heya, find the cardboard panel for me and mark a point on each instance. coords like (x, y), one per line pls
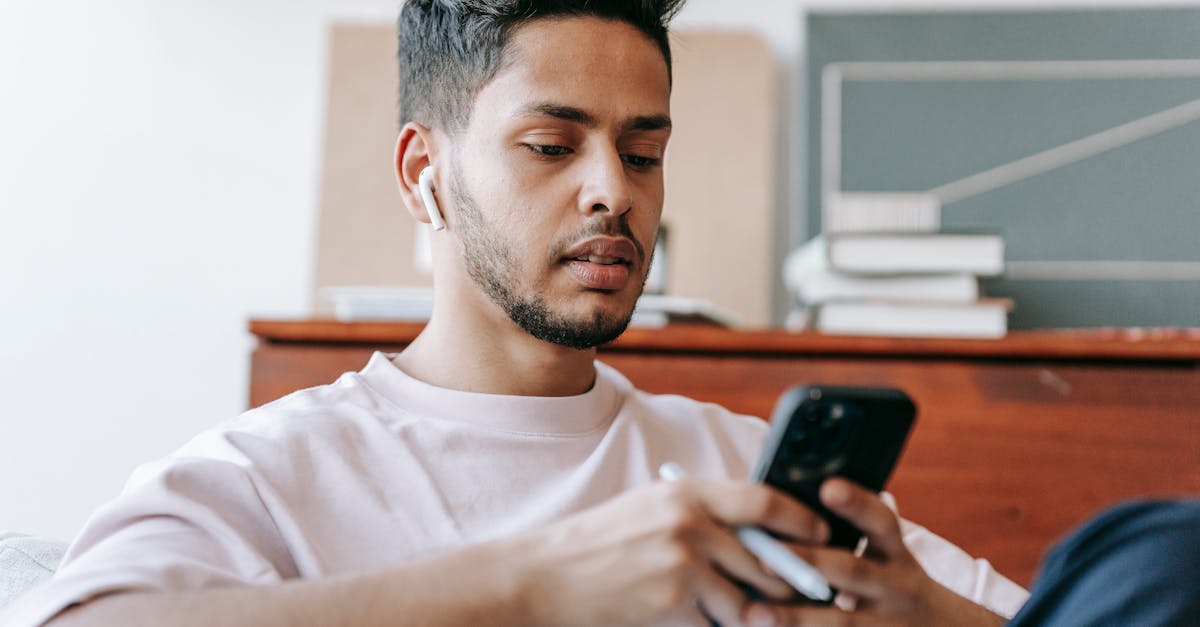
(364, 236)
(720, 172)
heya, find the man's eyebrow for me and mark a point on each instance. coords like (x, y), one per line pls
(649, 123)
(562, 112)
(579, 116)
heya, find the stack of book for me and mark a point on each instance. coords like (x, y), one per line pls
(898, 284)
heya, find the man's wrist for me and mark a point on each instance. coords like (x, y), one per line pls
(955, 609)
(520, 579)
(494, 583)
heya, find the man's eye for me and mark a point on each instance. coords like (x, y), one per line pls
(548, 150)
(639, 161)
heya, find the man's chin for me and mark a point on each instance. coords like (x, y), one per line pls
(578, 331)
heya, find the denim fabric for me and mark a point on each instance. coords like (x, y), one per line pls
(1137, 564)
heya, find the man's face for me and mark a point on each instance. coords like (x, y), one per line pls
(556, 184)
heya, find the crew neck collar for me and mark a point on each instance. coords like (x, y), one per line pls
(539, 415)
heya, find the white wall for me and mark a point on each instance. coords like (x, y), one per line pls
(158, 166)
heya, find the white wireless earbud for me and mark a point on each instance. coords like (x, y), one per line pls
(425, 182)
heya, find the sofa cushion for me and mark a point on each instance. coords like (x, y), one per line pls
(25, 561)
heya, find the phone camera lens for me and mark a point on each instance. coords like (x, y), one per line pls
(832, 418)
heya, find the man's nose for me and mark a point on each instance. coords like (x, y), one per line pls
(606, 187)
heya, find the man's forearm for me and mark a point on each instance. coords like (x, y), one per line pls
(475, 585)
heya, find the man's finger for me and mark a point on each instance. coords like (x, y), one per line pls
(736, 503)
(764, 615)
(865, 510)
(731, 556)
(719, 598)
(862, 577)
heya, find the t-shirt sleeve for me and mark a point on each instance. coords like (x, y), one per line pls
(970, 577)
(181, 524)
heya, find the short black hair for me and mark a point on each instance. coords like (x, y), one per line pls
(448, 49)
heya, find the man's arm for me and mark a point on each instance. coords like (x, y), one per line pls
(464, 587)
(633, 559)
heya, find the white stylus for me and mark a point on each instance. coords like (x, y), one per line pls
(797, 572)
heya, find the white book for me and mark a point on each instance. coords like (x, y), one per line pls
(945, 288)
(856, 212)
(655, 310)
(808, 275)
(985, 319)
(917, 253)
(359, 303)
(649, 319)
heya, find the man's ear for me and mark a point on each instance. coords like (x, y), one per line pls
(414, 153)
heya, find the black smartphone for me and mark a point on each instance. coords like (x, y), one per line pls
(821, 431)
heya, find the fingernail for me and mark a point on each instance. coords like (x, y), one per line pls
(835, 493)
(759, 616)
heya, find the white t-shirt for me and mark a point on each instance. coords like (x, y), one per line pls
(379, 468)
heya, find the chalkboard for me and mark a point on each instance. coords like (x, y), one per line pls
(1111, 239)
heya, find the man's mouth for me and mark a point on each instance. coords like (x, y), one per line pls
(602, 263)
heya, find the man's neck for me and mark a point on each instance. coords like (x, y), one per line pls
(495, 356)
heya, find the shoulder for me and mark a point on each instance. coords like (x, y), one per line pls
(292, 429)
(692, 424)
(675, 407)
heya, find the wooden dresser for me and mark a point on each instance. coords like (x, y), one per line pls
(1017, 440)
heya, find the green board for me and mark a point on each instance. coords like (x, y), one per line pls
(1135, 207)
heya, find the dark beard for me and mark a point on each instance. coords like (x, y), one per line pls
(493, 266)
(533, 316)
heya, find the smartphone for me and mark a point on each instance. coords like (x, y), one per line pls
(821, 431)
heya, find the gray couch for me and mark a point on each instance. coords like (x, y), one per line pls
(25, 561)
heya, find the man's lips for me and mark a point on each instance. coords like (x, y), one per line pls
(602, 263)
(606, 250)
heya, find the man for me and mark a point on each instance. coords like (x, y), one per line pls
(493, 472)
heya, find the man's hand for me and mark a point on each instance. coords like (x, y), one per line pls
(665, 548)
(890, 587)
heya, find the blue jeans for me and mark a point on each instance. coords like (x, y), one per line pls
(1136, 565)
